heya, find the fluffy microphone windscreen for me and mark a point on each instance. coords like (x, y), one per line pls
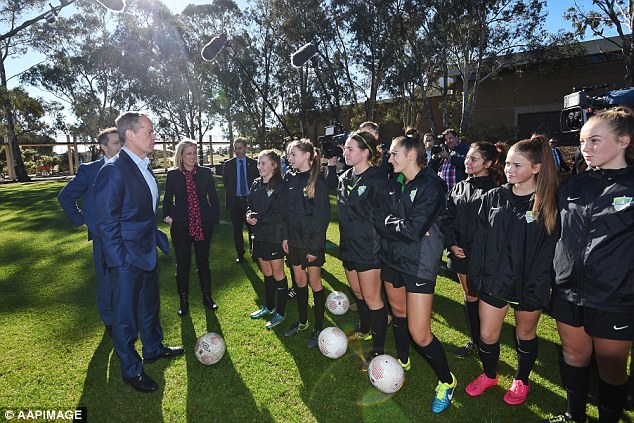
(303, 55)
(116, 5)
(213, 47)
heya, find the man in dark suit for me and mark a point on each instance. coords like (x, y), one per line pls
(237, 177)
(126, 199)
(81, 186)
(560, 163)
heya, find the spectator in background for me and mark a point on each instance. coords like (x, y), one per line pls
(560, 163)
(452, 167)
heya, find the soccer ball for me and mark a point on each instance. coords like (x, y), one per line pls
(386, 374)
(333, 343)
(338, 303)
(210, 348)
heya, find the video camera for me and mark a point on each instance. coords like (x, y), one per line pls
(330, 143)
(579, 106)
(439, 146)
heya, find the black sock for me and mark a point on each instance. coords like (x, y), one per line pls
(611, 401)
(320, 308)
(269, 292)
(576, 382)
(401, 338)
(526, 356)
(435, 355)
(379, 329)
(473, 320)
(290, 267)
(364, 316)
(282, 295)
(489, 356)
(302, 303)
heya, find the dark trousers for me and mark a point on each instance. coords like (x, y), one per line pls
(182, 242)
(238, 220)
(136, 304)
(104, 285)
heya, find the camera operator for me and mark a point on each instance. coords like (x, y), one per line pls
(452, 155)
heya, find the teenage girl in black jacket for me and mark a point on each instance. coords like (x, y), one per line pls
(358, 196)
(516, 233)
(412, 253)
(484, 164)
(308, 215)
(266, 213)
(593, 298)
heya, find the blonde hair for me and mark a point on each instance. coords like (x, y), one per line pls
(180, 147)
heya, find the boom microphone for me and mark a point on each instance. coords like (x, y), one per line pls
(114, 5)
(303, 55)
(214, 47)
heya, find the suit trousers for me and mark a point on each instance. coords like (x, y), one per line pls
(136, 303)
(238, 220)
(183, 241)
(104, 284)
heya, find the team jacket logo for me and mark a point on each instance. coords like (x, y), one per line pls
(621, 203)
(361, 190)
(270, 192)
(412, 195)
(529, 217)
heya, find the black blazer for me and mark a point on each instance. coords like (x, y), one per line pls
(175, 199)
(230, 181)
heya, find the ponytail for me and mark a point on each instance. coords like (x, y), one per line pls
(537, 150)
(496, 154)
(306, 146)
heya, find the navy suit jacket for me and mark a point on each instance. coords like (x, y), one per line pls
(175, 199)
(81, 186)
(230, 181)
(125, 217)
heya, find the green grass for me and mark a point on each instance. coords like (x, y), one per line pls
(55, 355)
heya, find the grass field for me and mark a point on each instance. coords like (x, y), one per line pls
(55, 354)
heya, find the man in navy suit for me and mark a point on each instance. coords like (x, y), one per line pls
(126, 199)
(237, 177)
(81, 187)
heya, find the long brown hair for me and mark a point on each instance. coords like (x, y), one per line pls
(276, 158)
(306, 146)
(538, 151)
(496, 154)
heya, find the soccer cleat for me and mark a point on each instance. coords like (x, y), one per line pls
(517, 394)
(362, 336)
(296, 327)
(313, 341)
(365, 364)
(275, 321)
(480, 384)
(444, 394)
(406, 366)
(263, 311)
(467, 350)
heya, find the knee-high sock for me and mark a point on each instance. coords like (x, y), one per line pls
(473, 320)
(401, 338)
(489, 356)
(435, 355)
(302, 303)
(576, 382)
(364, 316)
(379, 329)
(269, 292)
(611, 401)
(282, 295)
(320, 308)
(526, 356)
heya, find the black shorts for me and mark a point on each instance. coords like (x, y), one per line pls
(360, 267)
(410, 282)
(456, 264)
(596, 323)
(297, 257)
(500, 303)
(267, 250)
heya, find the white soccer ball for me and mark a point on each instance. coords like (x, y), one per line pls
(333, 343)
(338, 303)
(386, 374)
(210, 348)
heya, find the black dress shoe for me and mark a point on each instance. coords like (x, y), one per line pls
(168, 352)
(210, 304)
(142, 383)
(109, 330)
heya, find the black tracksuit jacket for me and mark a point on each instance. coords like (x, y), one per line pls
(270, 206)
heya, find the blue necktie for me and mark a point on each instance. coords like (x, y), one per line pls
(557, 162)
(243, 180)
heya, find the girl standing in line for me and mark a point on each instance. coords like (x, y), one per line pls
(266, 213)
(517, 229)
(412, 251)
(484, 164)
(359, 194)
(593, 298)
(308, 215)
